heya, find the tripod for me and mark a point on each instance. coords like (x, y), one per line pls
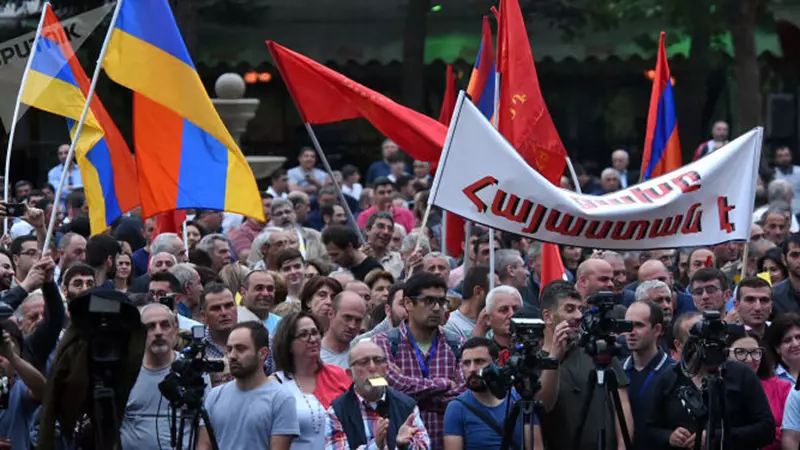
(528, 386)
(194, 414)
(714, 387)
(602, 376)
(105, 415)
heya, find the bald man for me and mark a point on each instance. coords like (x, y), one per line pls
(593, 276)
(620, 161)
(396, 418)
(348, 312)
(654, 269)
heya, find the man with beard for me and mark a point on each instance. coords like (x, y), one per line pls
(147, 419)
(343, 248)
(101, 255)
(71, 250)
(292, 266)
(333, 215)
(348, 313)
(464, 425)
(258, 299)
(252, 411)
(25, 390)
(76, 280)
(563, 391)
(380, 227)
(6, 270)
(389, 418)
(423, 356)
(393, 309)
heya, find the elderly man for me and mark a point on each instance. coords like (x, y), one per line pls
(283, 214)
(619, 161)
(779, 190)
(380, 227)
(609, 181)
(502, 303)
(218, 248)
(389, 418)
(192, 287)
(163, 243)
(659, 293)
(71, 249)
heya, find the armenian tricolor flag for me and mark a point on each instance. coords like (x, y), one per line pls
(662, 148)
(57, 83)
(481, 88)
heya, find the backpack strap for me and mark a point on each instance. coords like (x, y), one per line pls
(488, 420)
(394, 340)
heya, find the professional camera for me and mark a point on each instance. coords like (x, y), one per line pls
(525, 363)
(706, 343)
(598, 330)
(184, 386)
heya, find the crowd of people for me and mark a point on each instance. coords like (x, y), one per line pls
(365, 335)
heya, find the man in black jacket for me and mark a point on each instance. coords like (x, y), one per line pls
(369, 406)
(747, 417)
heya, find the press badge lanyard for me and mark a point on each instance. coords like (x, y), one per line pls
(649, 376)
(421, 359)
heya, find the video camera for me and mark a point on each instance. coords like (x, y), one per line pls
(706, 343)
(598, 330)
(525, 363)
(184, 386)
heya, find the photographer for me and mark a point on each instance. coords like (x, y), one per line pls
(25, 389)
(147, 419)
(564, 391)
(747, 416)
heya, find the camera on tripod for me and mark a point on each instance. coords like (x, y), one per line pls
(598, 330)
(525, 363)
(184, 386)
(706, 343)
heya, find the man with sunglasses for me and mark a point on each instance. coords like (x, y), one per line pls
(389, 419)
(423, 356)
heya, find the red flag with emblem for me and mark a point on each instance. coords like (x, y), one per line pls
(524, 118)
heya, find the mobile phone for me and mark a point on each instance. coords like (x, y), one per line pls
(168, 300)
(15, 209)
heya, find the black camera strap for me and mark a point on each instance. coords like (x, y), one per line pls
(481, 414)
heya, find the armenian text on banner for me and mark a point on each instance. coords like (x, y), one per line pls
(483, 179)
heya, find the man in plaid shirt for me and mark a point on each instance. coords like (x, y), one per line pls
(423, 360)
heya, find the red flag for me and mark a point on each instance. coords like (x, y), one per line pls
(449, 100)
(455, 223)
(170, 222)
(552, 265)
(524, 119)
(323, 95)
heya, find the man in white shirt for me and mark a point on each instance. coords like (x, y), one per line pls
(73, 180)
(306, 177)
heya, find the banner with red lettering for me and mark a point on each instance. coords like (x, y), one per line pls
(483, 179)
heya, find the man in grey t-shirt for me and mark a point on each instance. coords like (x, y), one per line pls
(348, 313)
(148, 416)
(465, 319)
(251, 411)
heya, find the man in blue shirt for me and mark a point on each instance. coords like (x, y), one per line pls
(647, 363)
(382, 168)
(474, 419)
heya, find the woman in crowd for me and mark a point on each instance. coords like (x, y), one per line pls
(314, 384)
(783, 341)
(748, 349)
(772, 262)
(124, 274)
(379, 282)
(317, 267)
(317, 298)
(194, 233)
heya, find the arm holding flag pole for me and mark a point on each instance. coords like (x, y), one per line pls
(328, 169)
(79, 126)
(13, 127)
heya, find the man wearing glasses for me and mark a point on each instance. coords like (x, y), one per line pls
(710, 290)
(423, 356)
(389, 419)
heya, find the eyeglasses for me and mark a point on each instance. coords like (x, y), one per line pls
(306, 335)
(364, 362)
(711, 290)
(741, 353)
(431, 300)
(31, 253)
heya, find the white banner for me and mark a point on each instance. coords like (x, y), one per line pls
(482, 178)
(14, 54)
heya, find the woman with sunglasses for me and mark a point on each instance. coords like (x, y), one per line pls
(749, 350)
(314, 384)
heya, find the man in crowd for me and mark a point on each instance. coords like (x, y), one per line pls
(400, 426)
(502, 303)
(753, 303)
(242, 237)
(258, 299)
(382, 201)
(710, 291)
(785, 296)
(279, 184)
(381, 168)
(292, 266)
(191, 286)
(332, 215)
(218, 313)
(73, 181)
(71, 250)
(463, 428)
(700, 258)
(147, 418)
(563, 392)
(657, 292)
(343, 247)
(25, 251)
(776, 222)
(218, 247)
(270, 243)
(395, 313)
(348, 313)
(432, 380)
(78, 279)
(283, 215)
(593, 276)
(101, 255)
(306, 177)
(457, 274)
(380, 227)
(786, 170)
(159, 262)
(719, 137)
(620, 161)
(513, 272)
(467, 317)
(252, 411)
(617, 263)
(646, 363)
(165, 288)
